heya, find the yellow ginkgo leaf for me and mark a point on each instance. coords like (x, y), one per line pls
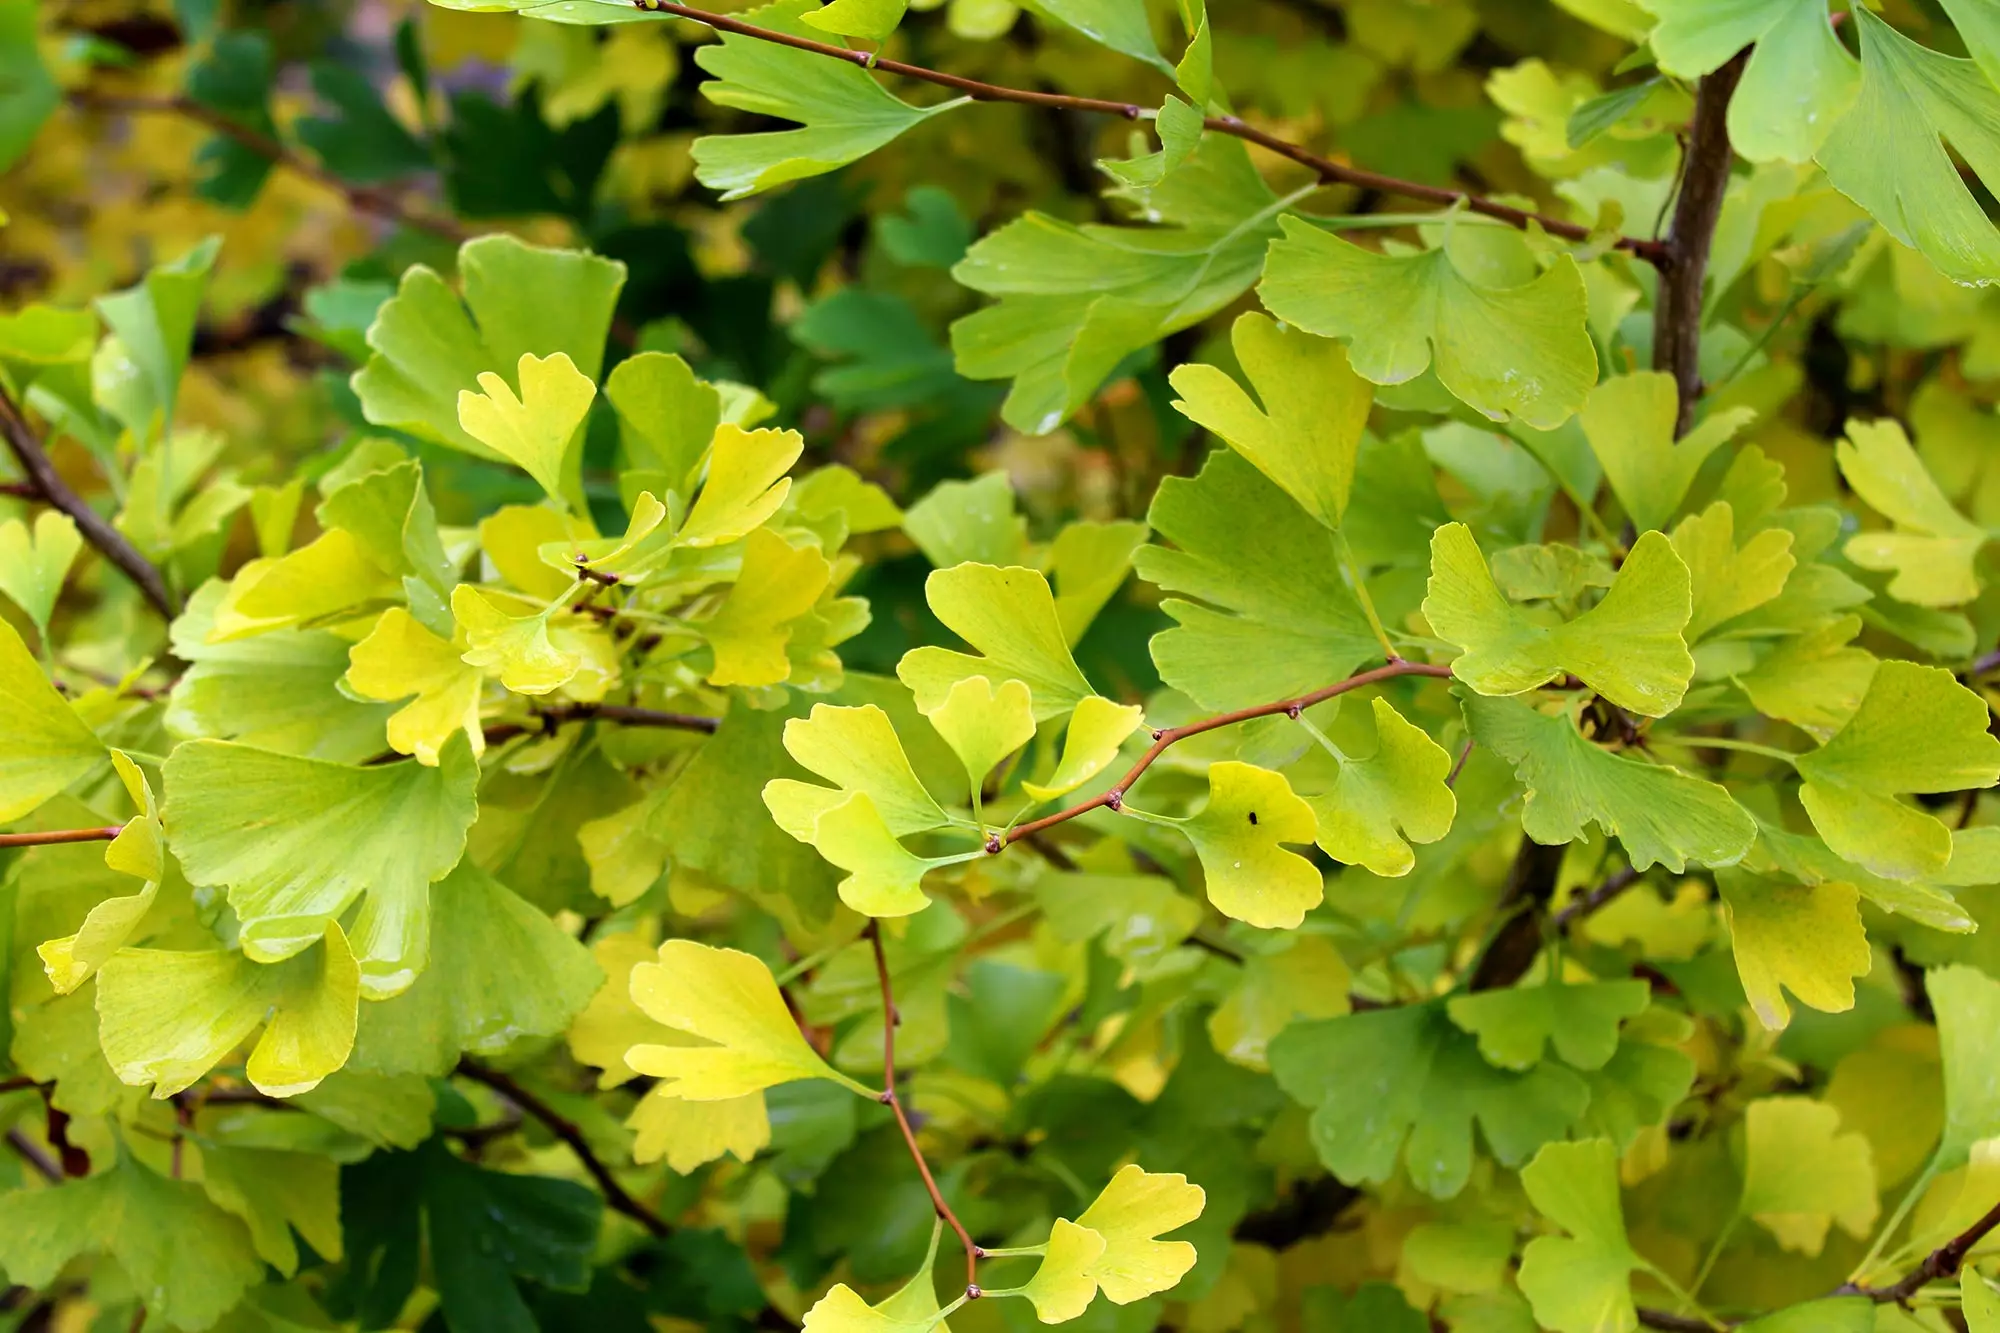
(47, 746)
(728, 998)
(687, 1134)
(1063, 1286)
(534, 430)
(1096, 730)
(983, 725)
(1135, 1208)
(843, 1311)
(779, 583)
(140, 851)
(517, 649)
(400, 658)
(746, 484)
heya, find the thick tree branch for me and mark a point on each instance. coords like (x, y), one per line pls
(1531, 881)
(1328, 170)
(565, 1129)
(894, 1101)
(1115, 797)
(1677, 308)
(110, 543)
(52, 837)
(382, 202)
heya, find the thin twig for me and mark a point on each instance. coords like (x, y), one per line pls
(382, 202)
(1675, 1323)
(565, 1129)
(32, 1154)
(890, 1099)
(109, 541)
(1163, 739)
(1328, 170)
(54, 836)
(1943, 1262)
(1583, 904)
(548, 719)
(1458, 764)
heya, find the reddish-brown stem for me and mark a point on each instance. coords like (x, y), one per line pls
(1943, 1262)
(616, 1195)
(50, 486)
(383, 203)
(51, 838)
(1586, 903)
(894, 1102)
(1115, 797)
(1328, 170)
(624, 714)
(31, 1153)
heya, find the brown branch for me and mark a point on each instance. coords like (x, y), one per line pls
(548, 719)
(110, 543)
(890, 1099)
(380, 201)
(1328, 170)
(31, 1153)
(1943, 1262)
(50, 839)
(565, 1129)
(1677, 308)
(1674, 1323)
(1584, 904)
(1530, 882)
(1115, 797)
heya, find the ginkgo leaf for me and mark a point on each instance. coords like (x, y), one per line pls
(1795, 86)
(333, 575)
(400, 658)
(1727, 580)
(274, 1192)
(1009, 615)
(1404, 1084)
(779, 584)
(517, 649)
(872, 20)
(1121, 25)
(1237, 835)
(1313, 408)
(1967, 1004)
(1065, 1282)
(1932, 549)
(139, 850)
(534, 431)
(844, 114)
(729, 999)
(1888, 154)
(746, 483)
(1661, 815)
(1516, 348)
(957, 521)
(1814, 679)
(34, 565)
(1308, 980)
(686, 1134)
(1629, 421)
(1088, 561)
(1801, 1175)
(1516, 1024)
(858, 750)
(1131, 1213)
(167, 1018)
(884, 877)
(1917, 730)
(984, 725)
(191, 1259)
(1628, 647)
(842, 1310)
(1579, 1283)
(296, 841)
(48, 746)
(1979, 1301)
(1808, 938)
(1097, 729)
(1280, 621)
(1393, 797)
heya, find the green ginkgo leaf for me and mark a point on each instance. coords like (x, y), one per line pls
(1097, 729)
(166, 1018)
(1238, 834)
(48, 746)
(1801, 1174)
(1628, 647)
(1514, 349)
(1917, 730)
(1967, 1004)
(884, 878)
(1932, 547)
(516, 648)
(1280, 619)
(1009, 615)
(1306, 432)
(857, 750)
(1131, 1213)
(1121, 25)
(1979, 1301)
(1807, 938)
(1796, 85)
(297, 841)
(34, 564)
(1579, 1283)
(729, 999)
(274, 1191)
(984, 725)
(780, 583)
(1515, 1025)
(1726, 579)
(1308, 980)
(843, 113)
(1661, 815)
(1629, 421)
(1063, 1284)
(1888, 154)
(536, 430)
(1385, 801)
(871, 20)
